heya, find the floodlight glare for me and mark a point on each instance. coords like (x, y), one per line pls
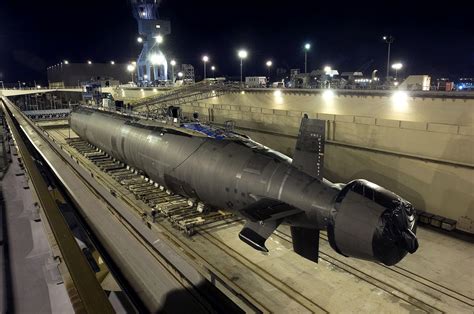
(397, 66)
(242, 54)
(157, 59)
(328, 94)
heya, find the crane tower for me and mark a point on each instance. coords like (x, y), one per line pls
(152, 61)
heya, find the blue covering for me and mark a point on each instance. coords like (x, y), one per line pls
(205, 129)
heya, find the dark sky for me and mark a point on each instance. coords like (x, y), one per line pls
(431, 36)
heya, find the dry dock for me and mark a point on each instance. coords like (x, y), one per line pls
(280, 281)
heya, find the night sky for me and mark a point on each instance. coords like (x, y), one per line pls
(431, 37)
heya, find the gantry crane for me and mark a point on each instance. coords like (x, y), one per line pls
(151, 64)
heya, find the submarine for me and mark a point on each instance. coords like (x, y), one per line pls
(230, 171)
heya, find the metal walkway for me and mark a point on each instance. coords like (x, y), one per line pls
(185, 94)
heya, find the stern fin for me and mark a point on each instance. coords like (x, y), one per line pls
(306, 242)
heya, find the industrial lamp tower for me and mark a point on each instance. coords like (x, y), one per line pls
(389, 40)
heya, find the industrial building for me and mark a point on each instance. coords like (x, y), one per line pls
(68, 74)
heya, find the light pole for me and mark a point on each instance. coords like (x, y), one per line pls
(19, 85)
(389, 40)
(213, 68)
(396, 67)
(269, 64)
(328, 71)
(131, 69)
(173, 63)
(242, 55)
(307, 46)
(3, 86)
(204, 60)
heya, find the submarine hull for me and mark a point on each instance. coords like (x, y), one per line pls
(258, 183)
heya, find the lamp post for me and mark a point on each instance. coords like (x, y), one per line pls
(173, 63)
(242, 55)
(131, 69)
(3, 86)
(396, 67)
(213, 68)
(389, 40)
(307, 46)
(204, 60)
(269, 64)
(328, 71)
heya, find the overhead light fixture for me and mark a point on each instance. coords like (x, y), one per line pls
(242, 54)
